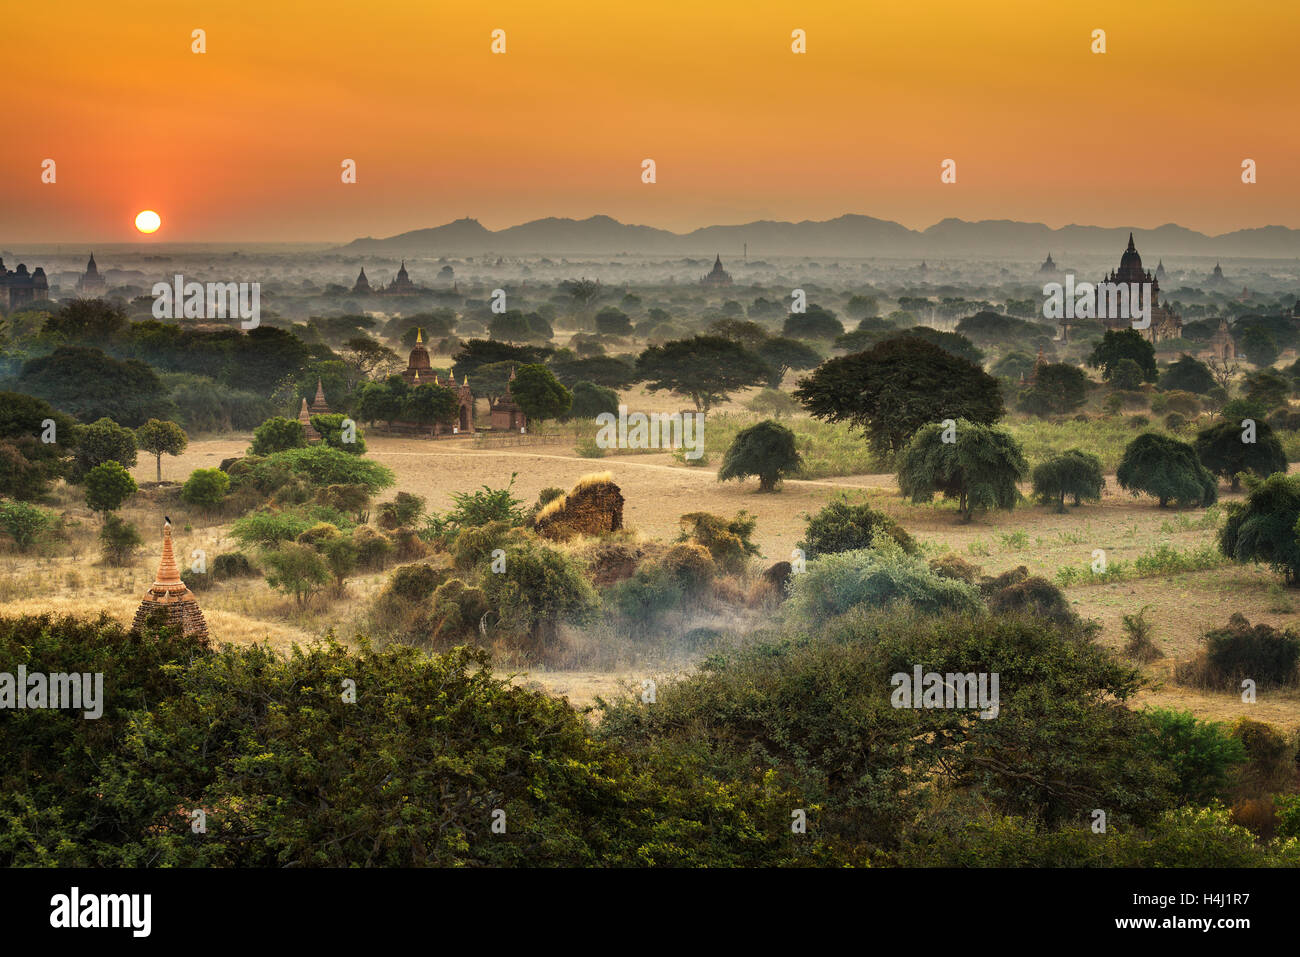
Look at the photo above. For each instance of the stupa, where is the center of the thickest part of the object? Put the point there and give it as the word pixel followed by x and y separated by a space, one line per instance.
pixel 168 602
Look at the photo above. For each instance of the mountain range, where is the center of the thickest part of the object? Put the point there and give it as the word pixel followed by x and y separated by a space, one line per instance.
pixel 846 236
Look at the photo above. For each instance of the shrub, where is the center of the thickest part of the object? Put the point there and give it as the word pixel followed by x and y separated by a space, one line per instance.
pixel 455 612
pixel 1225 451
pixel 841 527
pixel 1033 596
pixel 979 467
pixel 590 400
pixel 404 511
pixel 269 528
pixel 1239 651
pixel 1201 755
pixel 322 466
pixel 954 566
pixel 232 565
pixel 278 434
pixel 691 567
pixel 728 542
pixel 880 575
pixel 333 430
pixel 119 539
pixel 24 523
pixel 1140 646
pixel 1263 528
pixel 205 488
pixel 414 583
pixel 296 570
pixel 540 587
pixel 472 550
pixel 373 548
pixel 646 597
pixel 1270 757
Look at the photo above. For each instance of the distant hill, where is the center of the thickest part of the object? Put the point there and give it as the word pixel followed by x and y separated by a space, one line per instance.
pixel 848 236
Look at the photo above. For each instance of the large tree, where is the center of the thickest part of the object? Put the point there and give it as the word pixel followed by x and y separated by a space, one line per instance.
pixel 32 452
pixel 896 387
pixel 1124 344
pixel 1188 374
pixel 766 450
pixel 541 396
pixel 816 323
pixel 102 441
pixel 1229 448
pixel 783 354
pixel 1263 528
pixel 978 465
pixel 1058 388
pixel 159 437
pixel 1166 469
pixel 480 352
pixel 707 369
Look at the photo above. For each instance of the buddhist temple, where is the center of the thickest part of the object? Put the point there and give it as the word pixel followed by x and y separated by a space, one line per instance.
pixel 168 602
pixel 1165 323
pixel 91 282
pixel 1048 265
pixel 304 418
pixel 1217 276
pixel 419 371
pixel 318 405
pixel 718 276
pixel 402 285
pixel 1160 269
pixel 1223 347
pixel 19 287
pixel 362 286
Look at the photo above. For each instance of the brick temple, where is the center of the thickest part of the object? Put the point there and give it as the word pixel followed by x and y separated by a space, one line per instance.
pixel 168 602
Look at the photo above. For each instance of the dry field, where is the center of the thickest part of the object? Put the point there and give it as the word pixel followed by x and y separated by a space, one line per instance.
pixel 658 490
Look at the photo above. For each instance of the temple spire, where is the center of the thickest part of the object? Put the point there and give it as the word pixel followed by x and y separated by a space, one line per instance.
pixel 169 575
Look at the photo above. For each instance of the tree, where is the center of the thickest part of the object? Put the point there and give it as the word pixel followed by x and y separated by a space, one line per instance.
pixel 540 587
pixel 480 352
pixel 613 322
pixel 429 403
pixel 297 570
pixel 951 342
pixel 1259 346
pixel 784 354
pixel 277 434
pixel 35 444
pixel 766 450
pixel 1124 344
pixel 816 323
pixel 1058 388
pixel 608 371
pixel 91 385
pixel 205 488
pixel 1073 472
pixel 108 485
pixel 707 369
pixel 1126 375
pixel 99 442
pixel 1167 469
pixel 745 331
pixel 335 432
pixel 988 328
pixel 1229 448
pixel 1263 528
pixel 510 326
pixel 976 464
pixel 1188 374
pixel 157 437
pixel 382 401
pixel 897 386
pixel 862 307
pixel 590 400
pixel 24 523
pixel 841 527
pixel 539 394
pixel 86 320
pixel 1268 388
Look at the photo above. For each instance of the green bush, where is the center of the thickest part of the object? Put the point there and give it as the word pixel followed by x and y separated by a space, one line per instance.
pixel 205 488
pixel 278 434
pixel 841 527
pixel 880 575
pixel 119 539
pixel 25 523
pixel 108 485
pixel 727 541
pixel 1239 651
pixel 1201 754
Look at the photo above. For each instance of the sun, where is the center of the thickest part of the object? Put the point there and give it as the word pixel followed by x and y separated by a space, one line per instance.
pixel 147 221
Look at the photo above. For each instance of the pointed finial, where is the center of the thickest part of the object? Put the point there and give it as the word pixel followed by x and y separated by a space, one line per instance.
pixel 169 576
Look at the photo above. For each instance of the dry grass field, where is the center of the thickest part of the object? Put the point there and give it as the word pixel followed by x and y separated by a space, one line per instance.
pixel 1182 606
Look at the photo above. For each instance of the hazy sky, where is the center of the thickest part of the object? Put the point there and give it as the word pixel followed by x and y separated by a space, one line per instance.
pixel 245 141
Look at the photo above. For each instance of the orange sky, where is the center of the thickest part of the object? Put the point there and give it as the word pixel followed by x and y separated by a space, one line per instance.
pixel 245 142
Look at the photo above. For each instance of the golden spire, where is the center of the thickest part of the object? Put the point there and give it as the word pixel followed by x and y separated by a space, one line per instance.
pixel 419 336
pixel 169 576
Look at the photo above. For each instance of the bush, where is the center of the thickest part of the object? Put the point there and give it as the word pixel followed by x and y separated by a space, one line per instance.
pixel 956 567
pixel 539 588
pixel 278 434
pixel 1167 470
pixel 691 567
pixel 646 597
pixel 766 450
pixel 841 527
pixel 404 511
pixel 1202 756
pixel 296 570
pixel 373 548
pixel 1270 757
pixel 268 529
pixel 232 565
pixel 1263 528
pixel 25 523
pixel 881 575
pixel 1140 645
pixel 322 466
pixel 1238 651
pixel 591 400
pixel 1033 596
pixel 414 583
pixel 1074 473
pixel 727 542
pixel 205 488
pixel 119 539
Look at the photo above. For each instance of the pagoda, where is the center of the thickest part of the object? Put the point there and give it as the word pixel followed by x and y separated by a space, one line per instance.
pixel 318 405
pixel 1048 265
pixel 304 419
pixel 168 602
pixel 402 285
pixel 91 282
pixel 419 371
pixel 718 276
pixel 362 286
